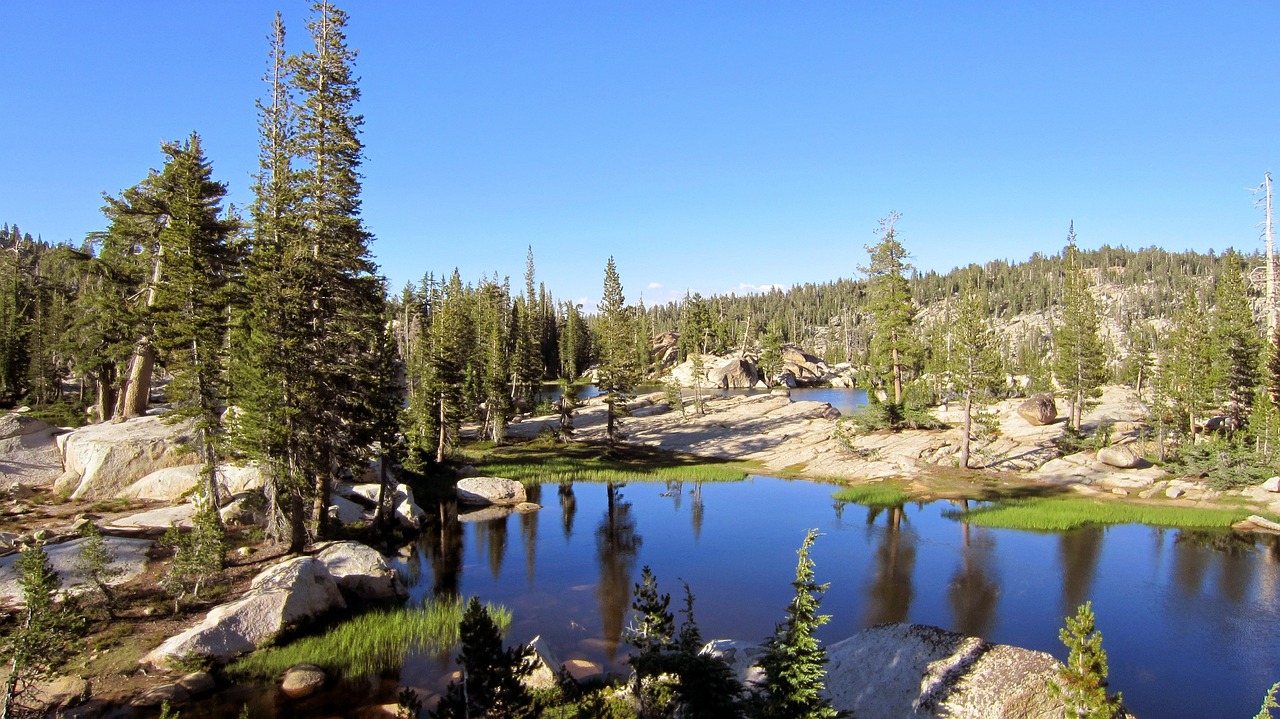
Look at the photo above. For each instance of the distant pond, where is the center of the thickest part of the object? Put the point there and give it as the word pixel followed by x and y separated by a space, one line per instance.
pixel 843 399
pixel 1189 618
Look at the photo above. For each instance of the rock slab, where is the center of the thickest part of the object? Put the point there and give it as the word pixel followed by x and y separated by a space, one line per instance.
pixel 490 490
pixel 1119 455
pixel 110 456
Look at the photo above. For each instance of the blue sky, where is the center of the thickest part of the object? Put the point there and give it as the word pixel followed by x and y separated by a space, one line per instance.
pixel 707 146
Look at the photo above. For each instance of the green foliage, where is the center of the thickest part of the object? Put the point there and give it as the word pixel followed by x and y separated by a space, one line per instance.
pixel 1224 463
pixel 491 675
pixel 890 305
pixel 96 563
pixel 1081 683
pixel 617 371
pixel 880 494
pixel 876 416
pixel 1080 360
pixel 198 555
pixel 43 636
pixel 586 463
pixel 167 711
pixel 370 643
pixel 672 675
pixel 793 660
pixel 408 704
pixel 1237 344
pixel 1060 514
pixel 1268 703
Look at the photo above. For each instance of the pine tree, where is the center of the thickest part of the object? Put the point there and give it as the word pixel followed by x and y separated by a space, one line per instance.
pixel 490 685
pixel 793 660
pixel 190 303
pixel 889 301
pixel 1185 379
pixel 1237 343
pixel 1081 683
pixel 44 635
pixel 1080 361
pixel 96 562
pixel 974 364
pixel 270 385
pixel 618 372
pixel 653 637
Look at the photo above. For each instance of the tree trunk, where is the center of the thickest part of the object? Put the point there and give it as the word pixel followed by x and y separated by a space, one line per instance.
pixel 609 421
pixel 897 378
pixel 105 405
pixel 968 427
pixel 443 433
pixel 137 393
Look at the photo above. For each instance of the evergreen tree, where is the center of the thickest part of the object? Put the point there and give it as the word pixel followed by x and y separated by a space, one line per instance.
pixel 1080 361
pixel 889 301
pixel 653 637
pixel 617 371
pixel 190 304
pixel 43 636
pixel 1185 380
pixel 793 660
pixel 96 562
pixel 270 384
pixel 1237 343
pixel 1081 683
pixel 490 685
pixel 974 364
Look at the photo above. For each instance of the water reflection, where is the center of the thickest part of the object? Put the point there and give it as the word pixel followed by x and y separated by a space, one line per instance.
pixel 699 511
pixel 973 593
pixel 890 593
pixel 568 508
pixel 529 533
pixel 440 545
pixel 1078 550
pixel 617 544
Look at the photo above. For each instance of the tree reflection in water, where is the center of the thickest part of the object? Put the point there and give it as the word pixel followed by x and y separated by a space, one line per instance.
pixel 1078 550
pixel 972 593
pixel 568 508
pixel 617 544
pixel 890 593
pixel 529 533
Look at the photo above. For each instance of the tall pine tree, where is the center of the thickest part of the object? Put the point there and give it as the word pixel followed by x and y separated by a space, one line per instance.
pixel 1080 360
pixel 618 371
pixel 889 301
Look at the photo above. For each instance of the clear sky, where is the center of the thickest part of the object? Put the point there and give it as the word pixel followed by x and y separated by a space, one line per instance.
pixel 707 146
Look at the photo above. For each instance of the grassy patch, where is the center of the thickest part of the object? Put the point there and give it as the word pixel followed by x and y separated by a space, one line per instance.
pixel 541 462
pixel 880 494
pixel 1056 514
pixel 369 643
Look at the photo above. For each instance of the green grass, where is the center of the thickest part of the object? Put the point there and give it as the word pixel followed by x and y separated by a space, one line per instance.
pixel 881 494
pixel 367 644
pixel 543 462
pixel 1057 514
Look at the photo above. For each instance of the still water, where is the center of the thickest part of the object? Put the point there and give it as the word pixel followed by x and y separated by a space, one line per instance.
pixel 1189 618
pixel 845 400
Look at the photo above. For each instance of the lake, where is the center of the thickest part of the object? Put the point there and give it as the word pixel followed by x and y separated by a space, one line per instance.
pixel 843 399
pixel 1189 618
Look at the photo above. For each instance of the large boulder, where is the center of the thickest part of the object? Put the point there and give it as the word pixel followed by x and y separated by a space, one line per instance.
pixel 912 670
pixel 407 512
pixel 665 349
pixel 361 571
pixel 283 596
pixel 490 490
pixel 734 373
pixel 173 483
pixel 1119 455
pixel 28 451
pixel 110 456
pixel 1039 410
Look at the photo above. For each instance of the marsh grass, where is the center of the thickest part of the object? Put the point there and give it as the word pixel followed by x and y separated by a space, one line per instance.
pixel 368 644
pixel 1058 514
pixel 549 462
pixel 881 494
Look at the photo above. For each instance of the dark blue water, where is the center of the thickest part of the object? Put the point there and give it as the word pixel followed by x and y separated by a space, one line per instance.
pixel 1189 619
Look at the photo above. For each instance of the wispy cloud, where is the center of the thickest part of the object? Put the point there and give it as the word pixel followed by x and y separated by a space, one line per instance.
pixel 655 286
pixel 759 289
